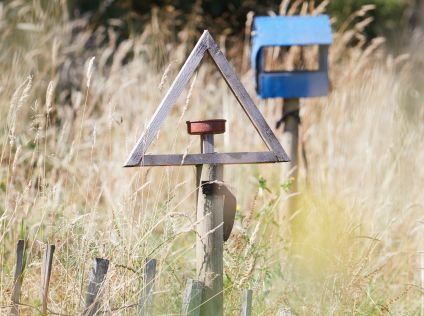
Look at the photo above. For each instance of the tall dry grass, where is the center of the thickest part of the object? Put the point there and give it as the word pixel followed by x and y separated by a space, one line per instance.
pixel 69 120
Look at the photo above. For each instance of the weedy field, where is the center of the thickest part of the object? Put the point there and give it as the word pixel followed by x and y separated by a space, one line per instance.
pixel 73 103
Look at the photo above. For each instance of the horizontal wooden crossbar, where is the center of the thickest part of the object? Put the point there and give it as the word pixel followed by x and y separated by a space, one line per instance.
pixel 215 158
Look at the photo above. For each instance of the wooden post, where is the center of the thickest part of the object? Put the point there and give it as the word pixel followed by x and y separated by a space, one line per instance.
pixel 291 143
pixel 92 298
pixel 45 276
pixel 246 307
pixel 291 134
pixel 192 299
pixel 145 305
pixel 18 277
pixel 210 237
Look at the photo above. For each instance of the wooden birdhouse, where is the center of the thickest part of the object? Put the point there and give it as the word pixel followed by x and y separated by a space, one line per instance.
pixel 287 31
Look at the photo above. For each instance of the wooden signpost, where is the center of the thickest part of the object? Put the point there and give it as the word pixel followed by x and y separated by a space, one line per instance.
pixel 215 204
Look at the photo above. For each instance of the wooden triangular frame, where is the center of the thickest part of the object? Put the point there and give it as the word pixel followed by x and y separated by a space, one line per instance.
pixel 205 44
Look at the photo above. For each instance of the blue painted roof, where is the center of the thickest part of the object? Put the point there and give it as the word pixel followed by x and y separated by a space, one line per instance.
pixel 288 31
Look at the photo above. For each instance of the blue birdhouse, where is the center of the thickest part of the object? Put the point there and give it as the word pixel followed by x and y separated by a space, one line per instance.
pixel 286 31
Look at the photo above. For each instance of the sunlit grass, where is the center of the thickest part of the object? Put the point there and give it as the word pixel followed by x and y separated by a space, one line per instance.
pixel 350 247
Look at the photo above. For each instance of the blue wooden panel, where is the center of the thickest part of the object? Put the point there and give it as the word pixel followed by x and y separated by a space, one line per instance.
pixel 288 31
pixel 297 84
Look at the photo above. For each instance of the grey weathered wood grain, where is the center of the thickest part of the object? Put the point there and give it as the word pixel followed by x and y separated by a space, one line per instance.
pixel 213 158
pixel 93 295
pixel 206 43
pixel 18 277
pixel 169 101
pixel 210 238
pixel 192 298
pixel 246 305
pixel 46 270
pixel 245 101
pixel 145 305
pixel 208 143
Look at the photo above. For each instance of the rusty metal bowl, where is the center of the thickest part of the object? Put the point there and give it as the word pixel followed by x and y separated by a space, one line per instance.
pixel 216 126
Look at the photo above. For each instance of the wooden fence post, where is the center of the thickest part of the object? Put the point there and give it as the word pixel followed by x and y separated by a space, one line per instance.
pixel 145 305
pixel 192 299
pixel 18 277
pixel 291 144
pixel 92 298
pixel 246 307
pixel 210 234
pixel 46 271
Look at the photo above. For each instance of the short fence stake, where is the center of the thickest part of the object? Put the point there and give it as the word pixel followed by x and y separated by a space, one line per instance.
pixel 18 277
pixel 145 306
pixel 246 305
pixel 192 298
pixel 92 298
pixel 46 273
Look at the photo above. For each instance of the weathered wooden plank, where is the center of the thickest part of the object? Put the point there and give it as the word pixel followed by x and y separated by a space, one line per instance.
pixel 246 305
pixel 245 101
pixel 169 101
pixel 93 295
pixel 46 274
pixel 213 158
pixel 18 277
pixel 192 298
pixel 210 237
pixel 145 306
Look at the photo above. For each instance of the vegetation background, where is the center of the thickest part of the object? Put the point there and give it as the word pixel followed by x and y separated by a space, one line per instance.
pixel 79 82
